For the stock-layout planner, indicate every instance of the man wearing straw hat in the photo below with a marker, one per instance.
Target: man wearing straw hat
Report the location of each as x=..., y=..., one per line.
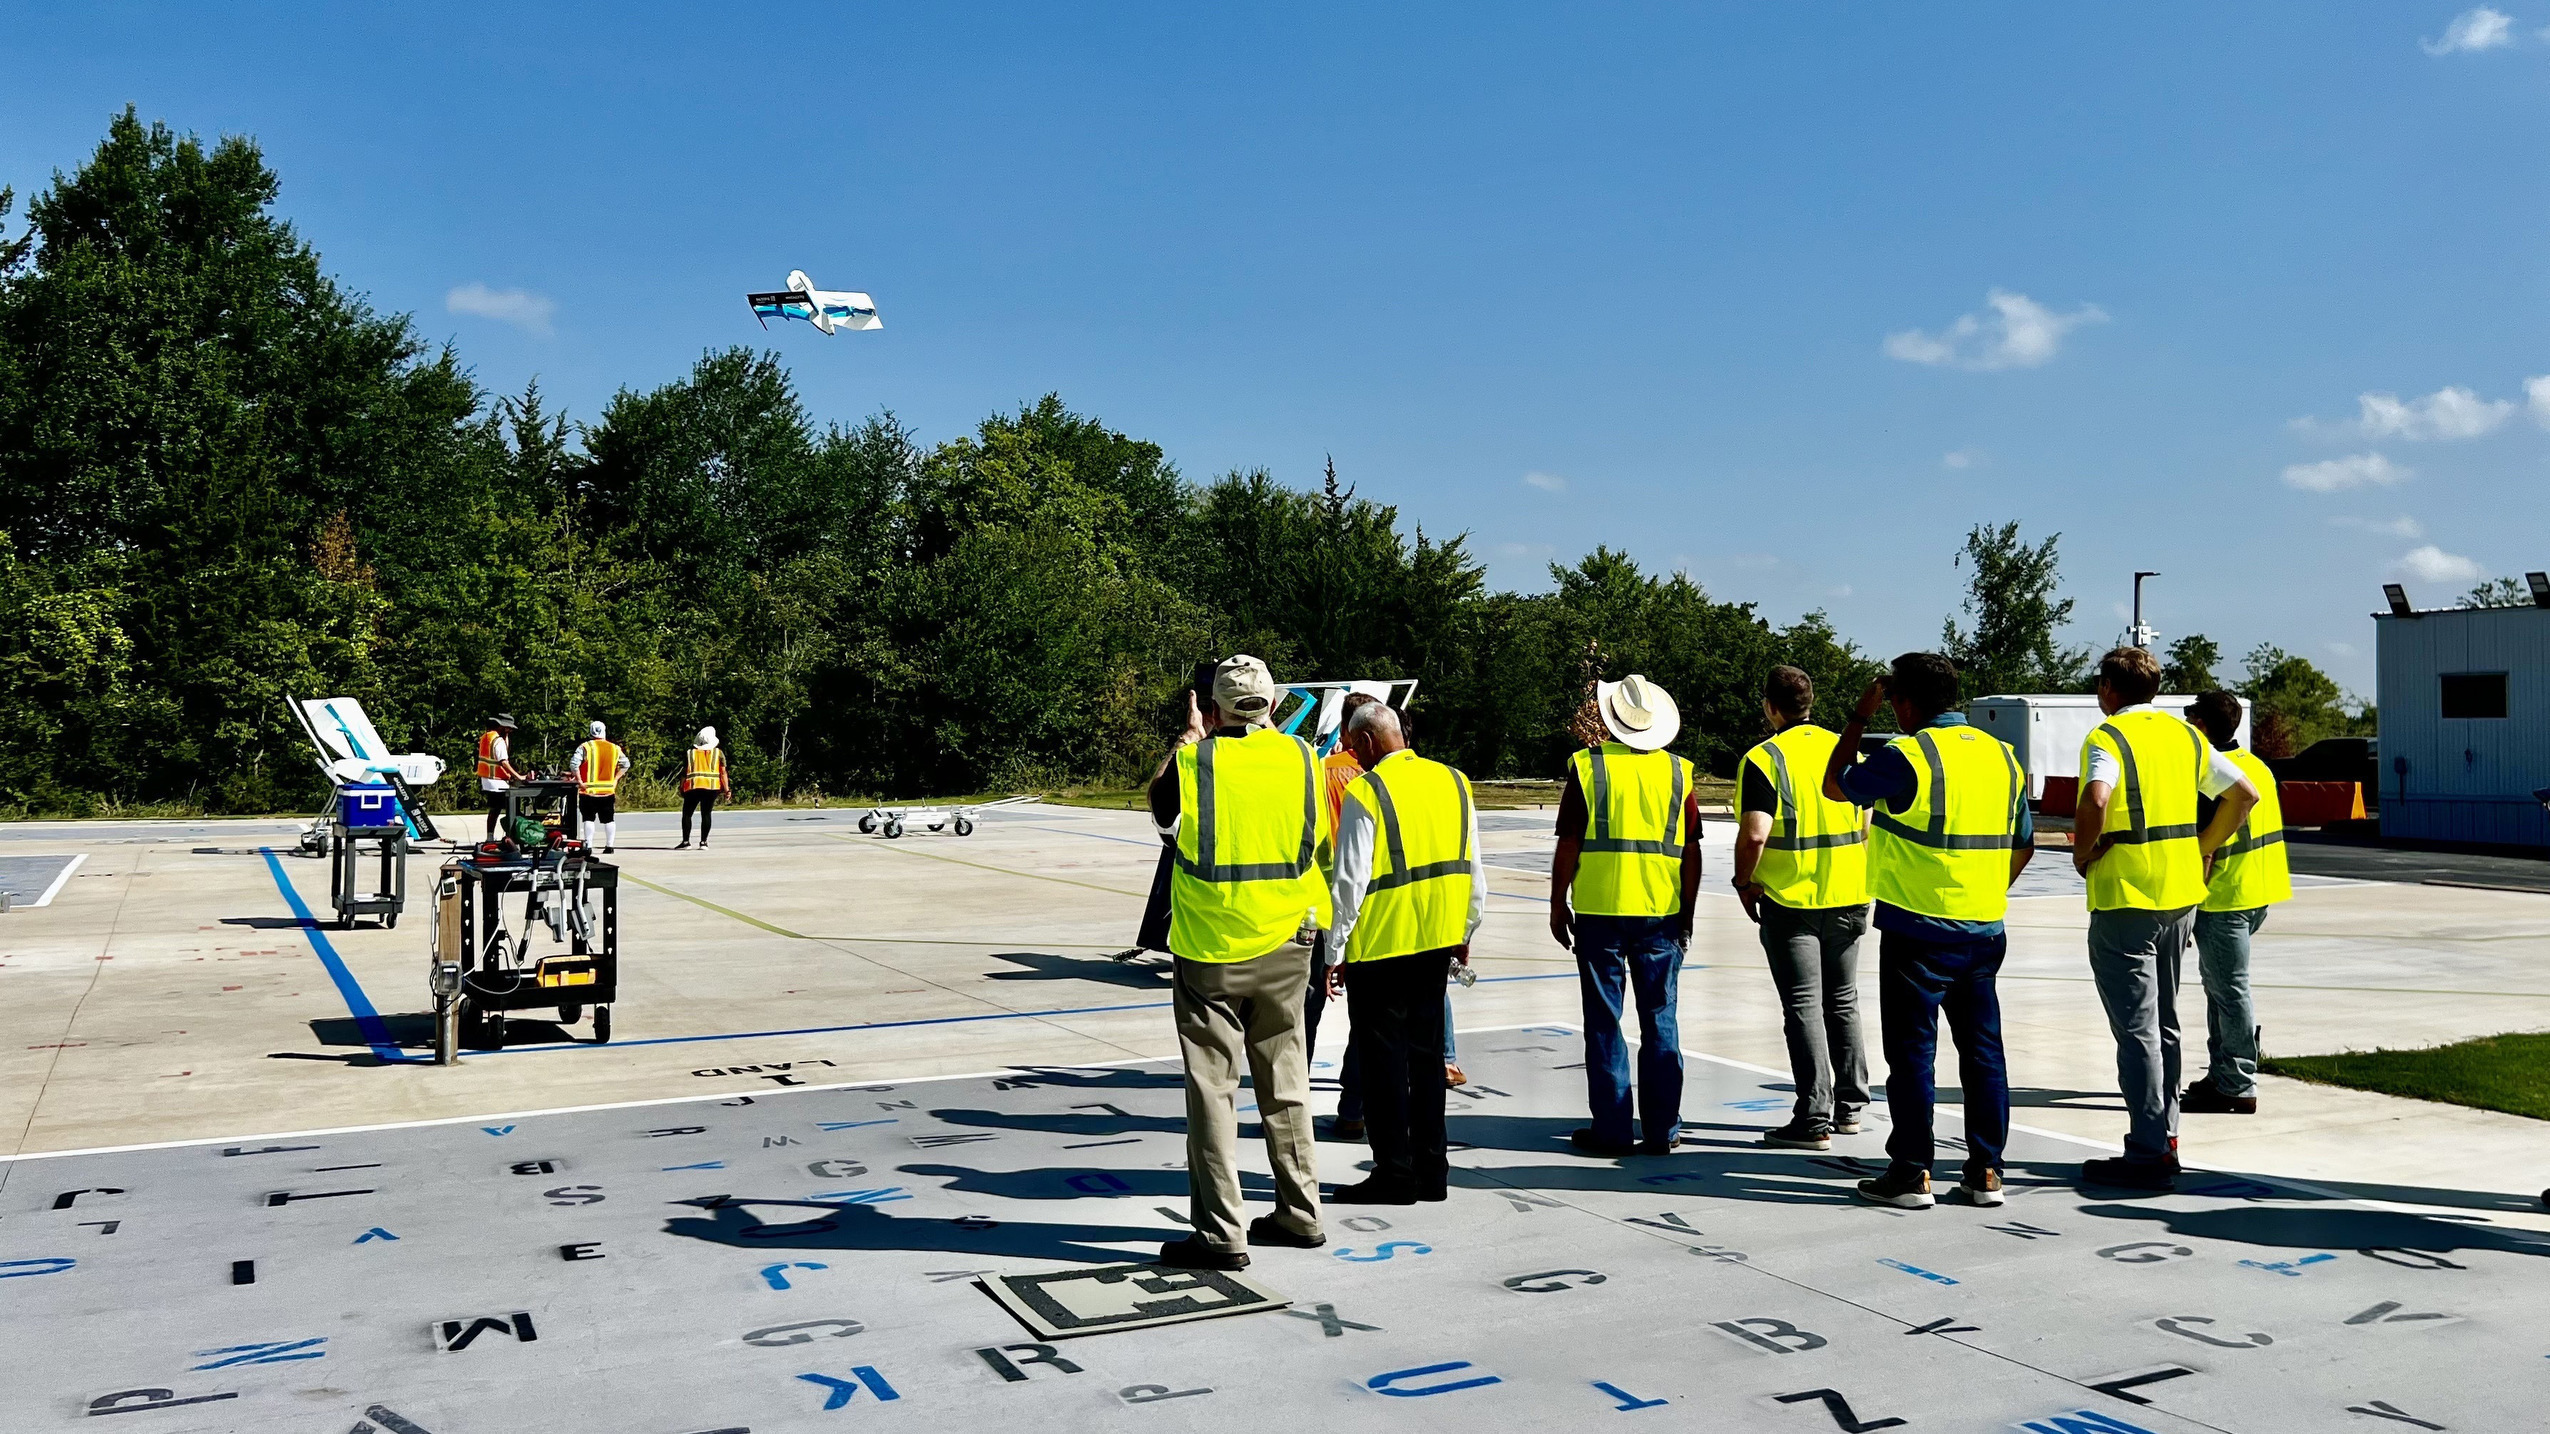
x=1620, y=897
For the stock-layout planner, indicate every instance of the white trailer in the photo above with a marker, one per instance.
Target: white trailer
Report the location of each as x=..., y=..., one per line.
x=2047, y=729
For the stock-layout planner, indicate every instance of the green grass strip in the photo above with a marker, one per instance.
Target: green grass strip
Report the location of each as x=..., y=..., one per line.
x=2509, y=1073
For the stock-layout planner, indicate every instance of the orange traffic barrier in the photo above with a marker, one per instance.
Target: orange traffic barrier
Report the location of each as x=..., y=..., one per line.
x=2062, y=797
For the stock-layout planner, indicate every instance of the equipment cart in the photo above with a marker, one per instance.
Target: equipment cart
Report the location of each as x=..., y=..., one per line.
x=367, y=825
x=523, y=926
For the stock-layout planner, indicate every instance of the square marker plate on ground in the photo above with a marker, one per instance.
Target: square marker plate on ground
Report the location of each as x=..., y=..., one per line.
x=1066, y=1304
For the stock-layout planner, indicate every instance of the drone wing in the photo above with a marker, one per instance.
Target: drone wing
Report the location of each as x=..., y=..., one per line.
x=847, y=310
x=786, y=304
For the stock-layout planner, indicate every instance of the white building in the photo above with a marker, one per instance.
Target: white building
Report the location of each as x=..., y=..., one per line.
x=2465, y=712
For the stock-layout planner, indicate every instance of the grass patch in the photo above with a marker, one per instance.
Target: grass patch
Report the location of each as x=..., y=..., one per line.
x=2510, y=1073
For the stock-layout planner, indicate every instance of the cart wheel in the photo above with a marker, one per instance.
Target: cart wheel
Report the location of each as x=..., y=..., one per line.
x=868, y=825
x=938, y=826
x=964, y=827
x=601, y=1025
x=345, y=922
x=390, y=922
x=569, y=1015
x=893, y=829
x=495, y=1030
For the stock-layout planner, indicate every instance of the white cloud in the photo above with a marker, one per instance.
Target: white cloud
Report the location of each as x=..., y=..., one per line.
x=1547, y=482
x=2447, y=413
x=1961, y=458
x=2431, y=564
x=2473, y=30
x=2336, y=475
x=2018, y=333
x=521, y=308
x=2402, y=526
x=2536, y=396
x=2342, y=649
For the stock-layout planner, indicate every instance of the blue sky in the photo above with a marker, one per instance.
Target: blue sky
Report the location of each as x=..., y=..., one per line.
x=1786, y=295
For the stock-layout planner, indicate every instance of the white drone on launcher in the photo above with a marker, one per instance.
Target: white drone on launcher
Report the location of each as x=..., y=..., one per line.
x=826, y=309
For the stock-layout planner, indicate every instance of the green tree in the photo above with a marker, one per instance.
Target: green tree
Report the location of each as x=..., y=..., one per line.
x=2010, y=589
x=2191, y=665
x=2497, y=592
x=2294, y=704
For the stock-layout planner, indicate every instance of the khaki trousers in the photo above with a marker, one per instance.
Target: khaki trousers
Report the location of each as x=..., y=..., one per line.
x=1228, y=1012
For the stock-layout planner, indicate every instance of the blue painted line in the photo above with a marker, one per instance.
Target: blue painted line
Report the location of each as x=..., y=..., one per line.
x=367, y=1019
x=886, y=1025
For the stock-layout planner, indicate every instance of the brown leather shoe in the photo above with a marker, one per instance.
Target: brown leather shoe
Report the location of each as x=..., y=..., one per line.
x=1452, y=1076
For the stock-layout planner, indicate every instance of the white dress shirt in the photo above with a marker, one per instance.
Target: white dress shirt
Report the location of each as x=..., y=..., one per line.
x=1354, y=872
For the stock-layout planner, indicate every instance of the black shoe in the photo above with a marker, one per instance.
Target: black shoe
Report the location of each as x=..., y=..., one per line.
x=1346, y=1129
x=2130, y=1174
x=685, y=846
x=1661, y=1147
x=1433, y=1193
x=2205, y=1098
x=1797, y=1135
x=1373, y=1191
x=1264, y=1230
x=1903, y=1187
x=1193, y=1254
x=1591, y=1144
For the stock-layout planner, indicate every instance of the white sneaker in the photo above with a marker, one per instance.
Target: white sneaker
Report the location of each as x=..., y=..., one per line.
x=1984, y=1189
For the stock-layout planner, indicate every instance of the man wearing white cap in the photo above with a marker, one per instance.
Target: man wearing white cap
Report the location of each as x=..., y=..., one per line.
x=1620, y=897
x=599, y=766
x=704, y=780
x=1249, y=892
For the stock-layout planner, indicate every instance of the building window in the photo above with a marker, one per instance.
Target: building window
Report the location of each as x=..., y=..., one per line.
x=2474, y=694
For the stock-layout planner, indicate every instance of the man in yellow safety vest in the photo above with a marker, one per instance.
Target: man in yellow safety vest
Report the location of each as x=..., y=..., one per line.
x=703, y=782
x=1249, y=893
x=1409, y=893
x=1621, y=889
x=2137, y=841
x=1949, y=830
x=1801, y=870
x=2249, y=876
x=599, y=766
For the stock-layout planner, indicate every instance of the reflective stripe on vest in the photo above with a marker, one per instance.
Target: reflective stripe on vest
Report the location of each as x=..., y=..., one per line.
x=1952, y=861
x=2250, y=870
x=707, y=769
x=1816, y=856
x=601, y=768
x=1251, y=824
x=2149, y=860
x=1632, y=848
x=1418, y=898
x=490, y=766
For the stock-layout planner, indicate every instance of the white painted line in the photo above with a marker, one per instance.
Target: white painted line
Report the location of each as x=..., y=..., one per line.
x=47, y=898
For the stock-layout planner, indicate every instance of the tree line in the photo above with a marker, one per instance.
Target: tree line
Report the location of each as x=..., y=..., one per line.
x=225, y=477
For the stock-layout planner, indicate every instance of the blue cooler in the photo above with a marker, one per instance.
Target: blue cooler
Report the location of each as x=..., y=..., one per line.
x=369, y=807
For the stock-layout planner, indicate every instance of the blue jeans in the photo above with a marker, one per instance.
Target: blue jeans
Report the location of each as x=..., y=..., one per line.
x=1640, y=956
x=1916, y=981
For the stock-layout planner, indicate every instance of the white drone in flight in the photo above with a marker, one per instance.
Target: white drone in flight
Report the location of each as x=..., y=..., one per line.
x=826, y=309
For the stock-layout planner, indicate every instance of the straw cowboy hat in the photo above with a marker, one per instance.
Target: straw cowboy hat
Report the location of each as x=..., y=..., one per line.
x=1638, y=713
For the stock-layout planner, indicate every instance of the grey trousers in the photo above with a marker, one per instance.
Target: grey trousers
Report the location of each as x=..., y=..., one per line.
x=2231, y=1017
x=1229, y=1015
x=2134, y=956
x=1814, y=959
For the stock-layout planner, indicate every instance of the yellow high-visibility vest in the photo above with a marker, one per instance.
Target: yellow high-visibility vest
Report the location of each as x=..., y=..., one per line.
x=2149, y=861
x=1948, y=854
x=1632, y=854
x=706, y=770
x=2250, y=869
x=601, y=768
x=1419, y=896
x=1817, y=855
x=1252, y=838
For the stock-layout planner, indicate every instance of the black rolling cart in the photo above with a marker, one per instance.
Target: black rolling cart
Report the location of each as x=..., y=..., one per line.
x=520, y=928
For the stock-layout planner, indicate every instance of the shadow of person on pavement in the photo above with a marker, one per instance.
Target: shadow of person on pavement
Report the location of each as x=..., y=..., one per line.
x=2331, y=1228
x=822, y=1225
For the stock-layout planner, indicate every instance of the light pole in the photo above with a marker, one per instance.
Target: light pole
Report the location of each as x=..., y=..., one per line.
x=2138, y=634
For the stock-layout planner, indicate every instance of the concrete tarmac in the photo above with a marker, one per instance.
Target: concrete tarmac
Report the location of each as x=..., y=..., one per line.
x=170, y=992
